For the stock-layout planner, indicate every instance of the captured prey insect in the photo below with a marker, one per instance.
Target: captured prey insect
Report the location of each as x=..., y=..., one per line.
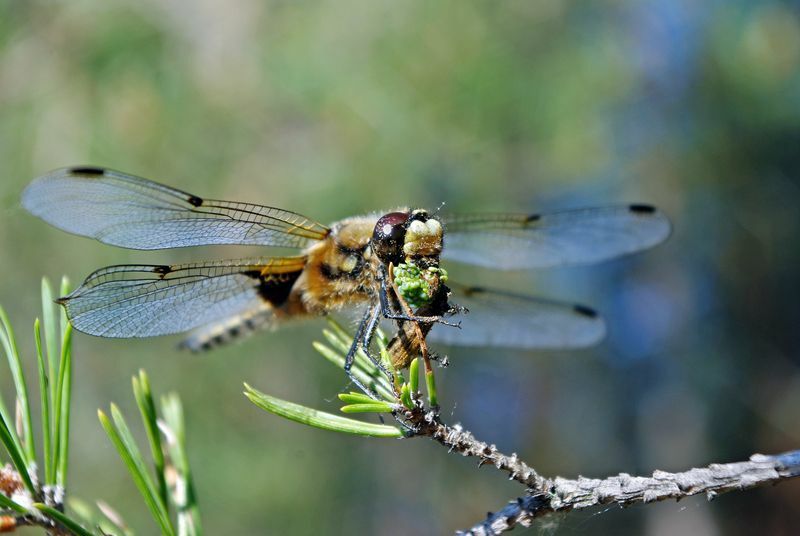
x=378, y=262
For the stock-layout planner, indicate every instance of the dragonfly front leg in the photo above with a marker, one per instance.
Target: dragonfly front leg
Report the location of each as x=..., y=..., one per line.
x=392, y=314
x=362, y=341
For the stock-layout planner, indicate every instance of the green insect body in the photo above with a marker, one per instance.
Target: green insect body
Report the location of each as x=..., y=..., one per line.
x=416, y=285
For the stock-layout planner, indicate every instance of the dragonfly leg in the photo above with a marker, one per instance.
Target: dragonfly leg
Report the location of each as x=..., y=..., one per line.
x=361, y=341
x=366, y=342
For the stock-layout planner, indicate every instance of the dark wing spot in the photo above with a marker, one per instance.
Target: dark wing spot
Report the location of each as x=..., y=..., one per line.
x=533, y=218
x=194, y=200
x=585, y=311
x=274, y=289
x=277, y=291
x=162, y=270
x=642, y=209
x=88, y=170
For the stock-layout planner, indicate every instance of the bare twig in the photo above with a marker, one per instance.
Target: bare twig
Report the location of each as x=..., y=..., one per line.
x=560, y=494
x=456, y=439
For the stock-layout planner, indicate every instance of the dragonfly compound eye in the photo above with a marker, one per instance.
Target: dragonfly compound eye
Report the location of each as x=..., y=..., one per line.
x=389, y=236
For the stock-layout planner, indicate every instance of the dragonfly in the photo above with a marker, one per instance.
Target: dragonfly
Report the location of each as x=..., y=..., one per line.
x=343, y=266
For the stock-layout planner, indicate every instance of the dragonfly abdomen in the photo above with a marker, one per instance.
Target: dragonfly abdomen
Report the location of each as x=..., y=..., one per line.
x=230, y=329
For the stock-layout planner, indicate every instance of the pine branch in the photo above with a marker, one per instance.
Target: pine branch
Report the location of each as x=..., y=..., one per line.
x=544, y=495
x=561, y=495
x=456, y=439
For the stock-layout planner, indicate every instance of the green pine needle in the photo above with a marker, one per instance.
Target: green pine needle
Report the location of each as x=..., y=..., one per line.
x=16, y=453
x=147, y=409
x=166, y=439
x=376, y=381
x=186, y=501
x=62, y=519
x=8, y=504
x=405, y=396
x=55, y=405
x=413, y=375
x=121, y=437
x=318, y=419
x=355, y=398
x=50, y=325
x=372, y=407
x=430, y=381
x=64, y=289
x=44, y=394
x=62, y=407
x=9, y=343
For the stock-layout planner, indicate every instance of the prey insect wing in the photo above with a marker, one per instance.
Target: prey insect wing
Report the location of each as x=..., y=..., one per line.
x=503, y=319
x=151, y=300
x=136, y=213
x=582, y=236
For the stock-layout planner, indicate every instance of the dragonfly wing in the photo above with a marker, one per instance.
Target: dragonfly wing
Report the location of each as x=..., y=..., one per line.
x=519, y=241
x=145, y=301
x=132, y=212
x=503, y=319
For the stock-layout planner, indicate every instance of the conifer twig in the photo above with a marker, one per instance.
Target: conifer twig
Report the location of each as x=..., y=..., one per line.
x=561, y=494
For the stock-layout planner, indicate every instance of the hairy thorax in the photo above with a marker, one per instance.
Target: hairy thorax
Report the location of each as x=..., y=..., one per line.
x=340, y=270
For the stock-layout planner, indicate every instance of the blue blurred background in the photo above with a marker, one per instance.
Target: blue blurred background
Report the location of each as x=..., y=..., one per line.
x=338, y=108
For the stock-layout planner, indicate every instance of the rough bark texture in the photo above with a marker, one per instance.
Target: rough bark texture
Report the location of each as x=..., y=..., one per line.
x=561, y=494
x=456, y=439
x=549, y=495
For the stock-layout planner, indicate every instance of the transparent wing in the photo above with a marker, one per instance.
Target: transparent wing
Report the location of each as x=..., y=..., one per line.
x=518, y=241
x=128, y=211
x=503, y=319
x=146, y=301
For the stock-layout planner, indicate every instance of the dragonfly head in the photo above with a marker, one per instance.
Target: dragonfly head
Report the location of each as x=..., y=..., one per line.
x=411, y=236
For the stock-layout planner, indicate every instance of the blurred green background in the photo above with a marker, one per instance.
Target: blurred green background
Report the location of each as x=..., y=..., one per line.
x=337, y=108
